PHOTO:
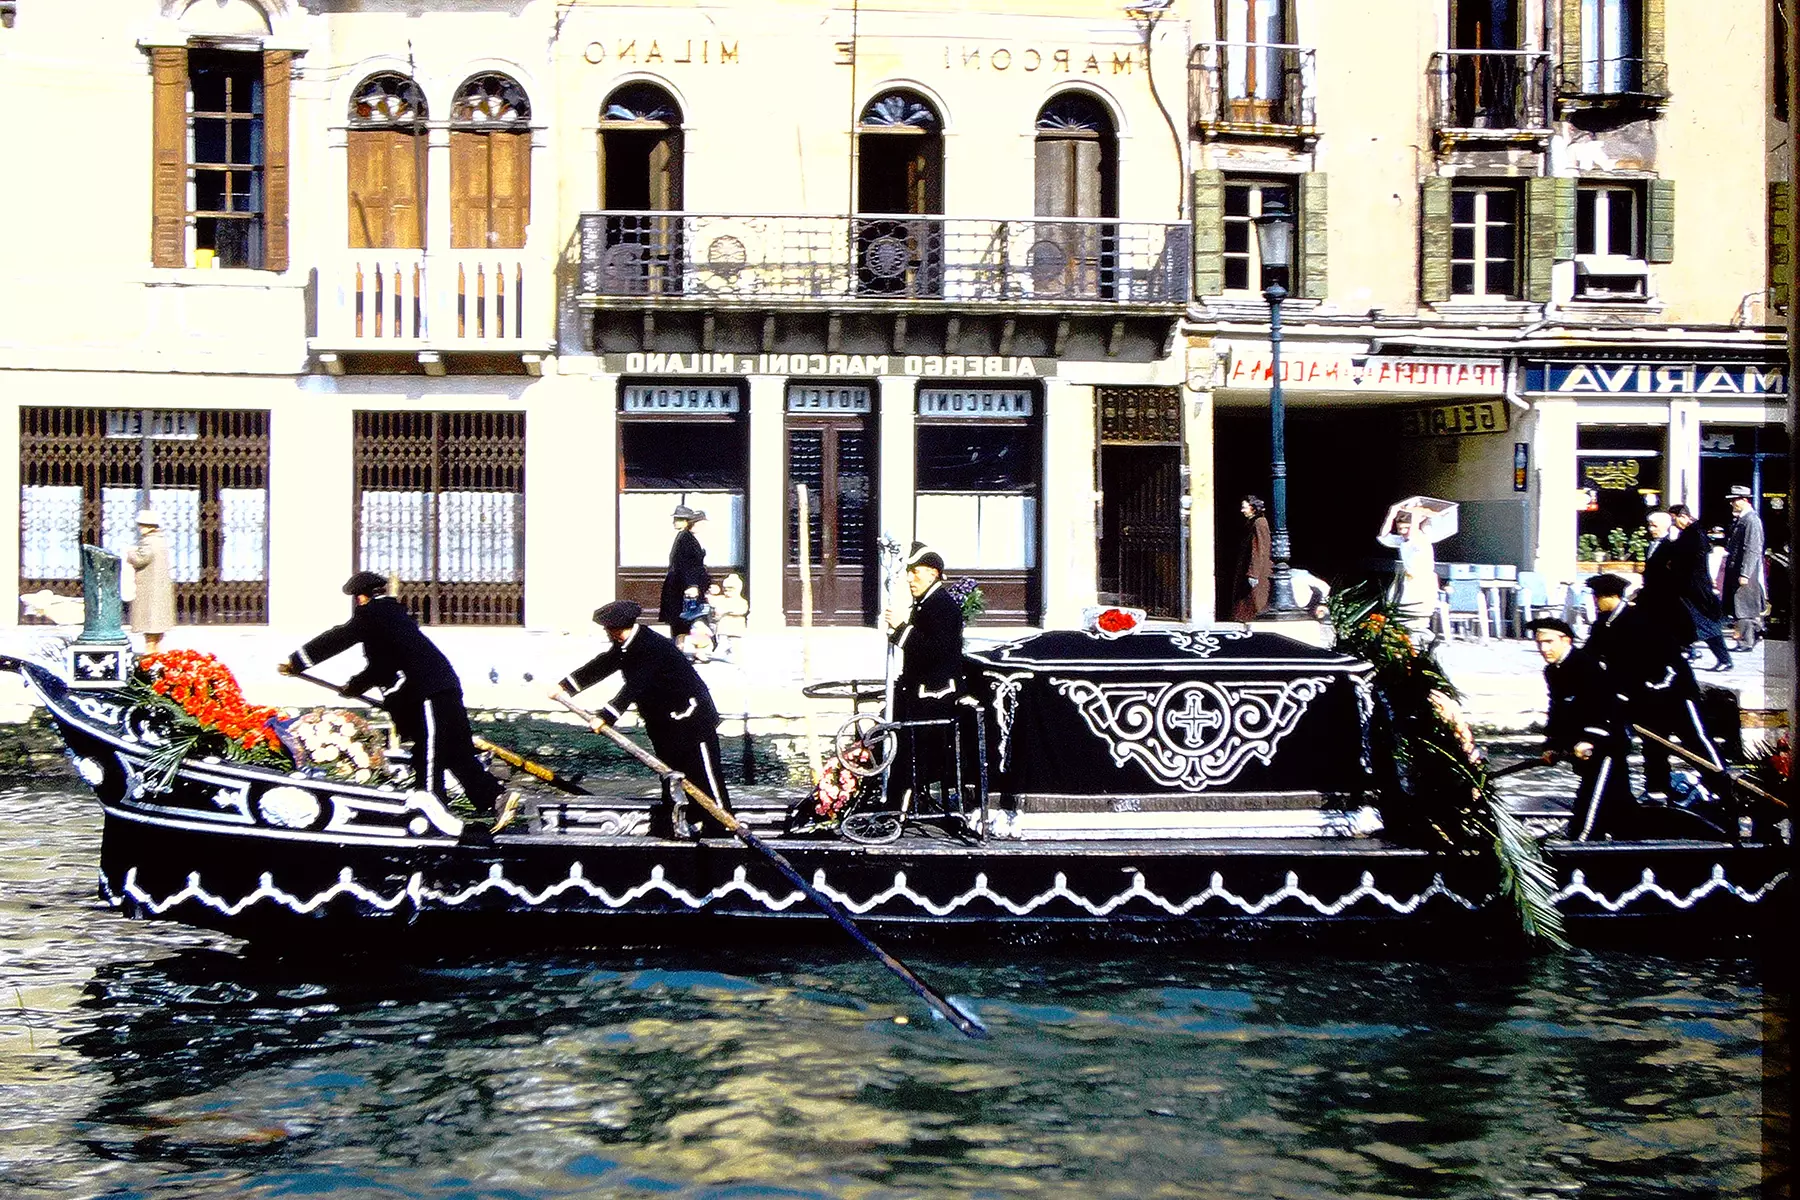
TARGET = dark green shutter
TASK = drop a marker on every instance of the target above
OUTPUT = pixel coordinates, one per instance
(1781, 242)
(1655, 45)
(1209, 233)
(1570, 82)
(1565, 220)
(1314, 267)
(1661, 225)
(1542, 237)
(1434, 241)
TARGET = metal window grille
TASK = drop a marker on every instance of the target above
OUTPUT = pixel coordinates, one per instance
(440, 506)
(211, 489)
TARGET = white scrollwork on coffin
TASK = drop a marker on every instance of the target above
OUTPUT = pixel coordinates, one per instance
(1192, 734)
(1006, 704)
(1204, 643)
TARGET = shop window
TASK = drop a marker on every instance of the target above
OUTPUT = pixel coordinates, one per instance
(385, 150)
(1619, 471)
(490, 165)
(978, 469)
(1225, 210)
(220, 158)
(440, 505)
(684, 443)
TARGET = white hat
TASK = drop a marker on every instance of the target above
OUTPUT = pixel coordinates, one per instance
(149, 519)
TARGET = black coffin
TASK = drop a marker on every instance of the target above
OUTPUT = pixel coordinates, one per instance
(1217, 712)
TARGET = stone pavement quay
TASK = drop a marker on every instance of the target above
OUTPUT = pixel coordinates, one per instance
(511, 670)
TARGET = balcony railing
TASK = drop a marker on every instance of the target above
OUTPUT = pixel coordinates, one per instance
(760, 259)
(419, 300)
(1604, 79)
(1252, 87)
(1491, 91)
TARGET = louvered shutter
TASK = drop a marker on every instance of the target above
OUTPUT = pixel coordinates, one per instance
(1572, 72)
(1434, 241)
(665, 172)
(384, 177)
(168, 141)
(509, 189)
(1565, 219)
(1781, 242)
(1655, 44)
(1661, 224)
(277, 71)
(1542, 237)
(1209, 232)
(468, 190)
(1314, 273)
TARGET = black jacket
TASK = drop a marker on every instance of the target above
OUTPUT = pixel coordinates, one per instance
(670, 696)
(687, 569)
(1641, 659)
(932, 641)
(402, 660)
(1584, 705)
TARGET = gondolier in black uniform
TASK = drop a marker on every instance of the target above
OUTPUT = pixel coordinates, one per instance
(418, 687)
(1651, 677)
(672, 700)
(1583, 726)
(930, 637)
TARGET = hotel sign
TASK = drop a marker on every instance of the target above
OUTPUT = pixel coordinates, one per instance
(1576, 378)
(1249, 367)
(696, 399)
(926, 366)
(974, 402)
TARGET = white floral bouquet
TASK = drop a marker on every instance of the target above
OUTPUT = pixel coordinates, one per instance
(336, 744)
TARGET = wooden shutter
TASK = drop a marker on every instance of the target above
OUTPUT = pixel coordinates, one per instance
(384, 178)
(1209, 233)
(277, 70)
(1571, 45)
(1314, 278)
(1542, 237)
(1565, 219)
(1655, 42)
(468, 190)
(168, 142)
(1781, 242)
(509, 189)
(1434, 241)
(1069, 182)
(665, 172)
(1660, 195)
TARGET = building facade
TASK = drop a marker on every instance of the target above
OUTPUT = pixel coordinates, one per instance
(475, 295)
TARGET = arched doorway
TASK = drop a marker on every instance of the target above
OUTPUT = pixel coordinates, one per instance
(640, 161)
(900, 171)
(1077, 183)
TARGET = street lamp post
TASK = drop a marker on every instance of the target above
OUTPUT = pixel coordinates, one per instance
(1275, 246)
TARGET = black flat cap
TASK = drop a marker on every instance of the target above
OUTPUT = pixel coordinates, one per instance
(366, 583)
(1608, 584)
(620, 614)
(922, 555)
(1553, 624)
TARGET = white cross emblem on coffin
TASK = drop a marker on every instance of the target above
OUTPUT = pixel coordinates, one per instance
(1192, 734)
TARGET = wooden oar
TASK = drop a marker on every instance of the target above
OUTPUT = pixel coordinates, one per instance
(1524, 764)
(536, 770)
(1708, 766)
(965, 1022)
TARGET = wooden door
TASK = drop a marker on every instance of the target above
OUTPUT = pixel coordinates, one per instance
(1140, 527)
(835, 457)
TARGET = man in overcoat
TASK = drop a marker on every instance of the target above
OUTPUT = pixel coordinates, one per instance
(1583, 727)
(153, 608)
(1693, 579)
(1743, 592)
(930, 639)
(417, 686)
(672, 701)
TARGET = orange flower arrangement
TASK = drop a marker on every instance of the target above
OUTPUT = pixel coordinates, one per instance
(203, 696)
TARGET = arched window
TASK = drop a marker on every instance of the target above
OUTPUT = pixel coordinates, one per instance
(640, 150)
(490, 164)
(900, 156)
(386, 156)
(1077, 177)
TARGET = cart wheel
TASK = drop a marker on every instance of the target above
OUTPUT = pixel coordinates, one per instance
(876, 739)
(873, 828)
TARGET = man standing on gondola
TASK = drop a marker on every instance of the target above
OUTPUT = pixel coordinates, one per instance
(672, 701)
(417, 686)
(1584, 727)
(930, 640)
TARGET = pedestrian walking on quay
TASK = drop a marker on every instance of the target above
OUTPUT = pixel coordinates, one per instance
(687, 578)
(1693, 573)
(1250, 586)
(417, 686)
(153, 606)
(1417, 581)
(1743, 598)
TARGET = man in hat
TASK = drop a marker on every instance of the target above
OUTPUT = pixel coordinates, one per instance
(153, 607)
(1743, 588)
(1691, 576)
(930, 640)
(687, 578)
(672, 701)
(1583, 727)
(1651, 678)
(416, 685)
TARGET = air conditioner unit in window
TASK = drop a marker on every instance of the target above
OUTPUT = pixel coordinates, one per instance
(1611, 277)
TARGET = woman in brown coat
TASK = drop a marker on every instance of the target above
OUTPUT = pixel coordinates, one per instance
(1250, 588)
(153, 611)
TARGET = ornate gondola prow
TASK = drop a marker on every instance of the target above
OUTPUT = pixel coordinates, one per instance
(101, 656)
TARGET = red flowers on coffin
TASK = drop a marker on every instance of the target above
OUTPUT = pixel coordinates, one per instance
(207, 692)
(1115, 620)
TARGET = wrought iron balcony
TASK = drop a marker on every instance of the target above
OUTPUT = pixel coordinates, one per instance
(1253, 89)
(1600, 81)
(1491, 93)
(754, 261)
(415, 300)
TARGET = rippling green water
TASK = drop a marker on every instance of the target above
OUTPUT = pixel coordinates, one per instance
(144, 1060)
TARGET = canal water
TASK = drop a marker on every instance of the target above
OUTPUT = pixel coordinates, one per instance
(145, 1060)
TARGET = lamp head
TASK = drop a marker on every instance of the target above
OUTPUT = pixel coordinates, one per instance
(1275, 235)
